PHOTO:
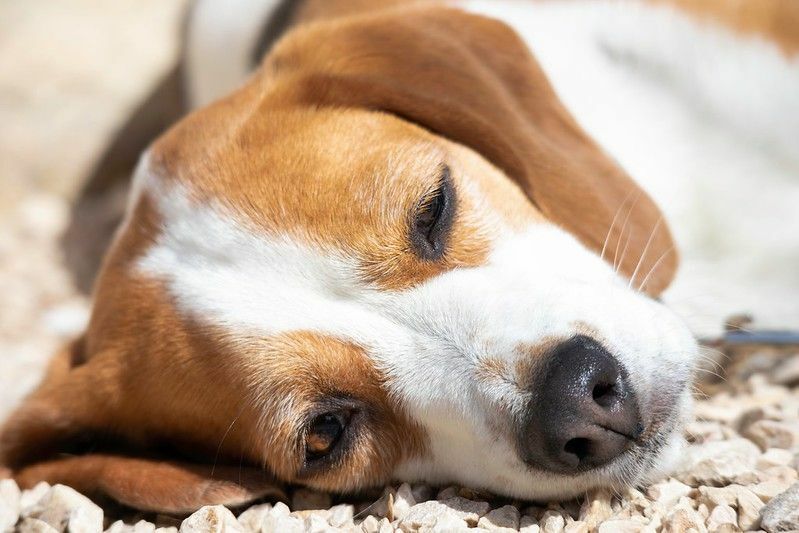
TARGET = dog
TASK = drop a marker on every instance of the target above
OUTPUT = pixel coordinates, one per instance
(386, 253)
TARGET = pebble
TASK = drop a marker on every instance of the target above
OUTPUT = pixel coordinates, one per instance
(720, 463)
(620, 526)
(251, 519)
(596, 508)
(771, 434)
(427, 514)
(9, 504)
(782, 512)
(506, 517)
(720, 515)
(402, 501)
(552, 522)
(211, 519)
(34, 525)
(774, 457)
(667, 493)
(64, 508)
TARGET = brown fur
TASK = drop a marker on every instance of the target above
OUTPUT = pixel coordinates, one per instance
(334, 146)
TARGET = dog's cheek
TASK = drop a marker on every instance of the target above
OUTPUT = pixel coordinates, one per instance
(300, 373)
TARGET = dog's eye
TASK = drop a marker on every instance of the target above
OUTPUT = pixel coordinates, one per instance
(433, 219)
(324, 433)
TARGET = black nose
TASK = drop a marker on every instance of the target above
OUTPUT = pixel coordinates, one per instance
(583, 414)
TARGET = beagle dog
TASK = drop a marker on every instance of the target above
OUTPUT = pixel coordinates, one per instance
(386, 253)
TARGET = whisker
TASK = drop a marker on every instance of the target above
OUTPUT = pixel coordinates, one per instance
(646, 249)
(613, 222)
(654, 267)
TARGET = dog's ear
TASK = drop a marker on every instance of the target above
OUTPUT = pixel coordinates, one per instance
(63, 433)
(473, 80)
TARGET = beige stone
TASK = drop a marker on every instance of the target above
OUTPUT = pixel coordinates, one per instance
(506, 516)
(211, 519)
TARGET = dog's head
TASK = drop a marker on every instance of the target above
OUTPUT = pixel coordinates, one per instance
(391, 255)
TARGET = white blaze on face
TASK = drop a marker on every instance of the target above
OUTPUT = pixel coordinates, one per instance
(429, 340)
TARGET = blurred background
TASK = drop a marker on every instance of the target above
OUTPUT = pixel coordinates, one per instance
(70, 71)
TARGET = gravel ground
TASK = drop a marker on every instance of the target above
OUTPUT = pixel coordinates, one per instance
(61, 98)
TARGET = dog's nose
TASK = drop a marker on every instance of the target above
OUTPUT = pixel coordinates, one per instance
(584, 413)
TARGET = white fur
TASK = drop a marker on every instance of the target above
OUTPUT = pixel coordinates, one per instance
(220, 40)
(707, 122)
(429, 340)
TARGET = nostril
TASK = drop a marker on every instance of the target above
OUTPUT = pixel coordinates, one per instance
(604, 393)
(579, 447)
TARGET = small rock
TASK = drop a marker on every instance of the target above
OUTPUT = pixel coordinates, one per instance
(720, 463)
(31, 497)
(427, 514)
(252, 518)
(787, 372)
(315, 523)
(668, 492)
(504, 517)
(65, 508)
(211, 519)
(531, 528)
(552, 522)
(370, 524)
(447, 493)
(341, 515)
(576, 527)
(306, 499)
(282, 524)
(620, 526)
(403, 501)
(9, 504)
(468, 510)
(771, 434)
(712, 496)
(682, 520)
(786, 474)
(422, 493)
(34, 525)
(143, 526)
(782, 512)
(596, 508)
(119, 527)
(749, 507)
(774, 457)
(722, 514)
(169, 529)
(769, 489)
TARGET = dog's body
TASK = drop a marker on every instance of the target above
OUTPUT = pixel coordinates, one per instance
(389, 252)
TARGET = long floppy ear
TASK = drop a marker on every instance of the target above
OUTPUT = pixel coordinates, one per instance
(61, 434)
(472, 79)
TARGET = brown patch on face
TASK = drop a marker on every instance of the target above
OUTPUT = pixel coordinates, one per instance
(344, 183)
(530, 359)
(298, 376)
(491, 369)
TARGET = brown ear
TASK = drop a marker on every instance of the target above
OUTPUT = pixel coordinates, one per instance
(472, 79)
(62, 434)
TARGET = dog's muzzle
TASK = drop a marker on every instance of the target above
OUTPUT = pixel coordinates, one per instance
(583, 412)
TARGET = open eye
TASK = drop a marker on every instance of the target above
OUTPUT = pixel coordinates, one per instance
(433, 218)
(324, 433)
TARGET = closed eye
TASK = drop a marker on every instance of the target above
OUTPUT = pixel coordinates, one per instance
(432, 218)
